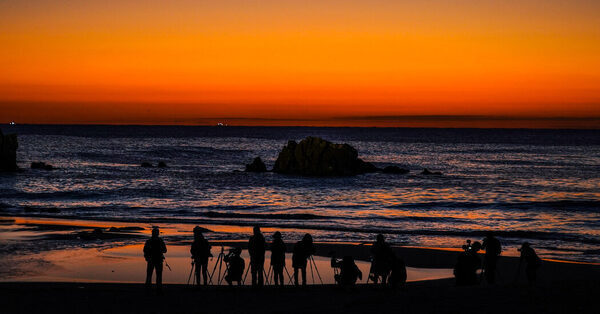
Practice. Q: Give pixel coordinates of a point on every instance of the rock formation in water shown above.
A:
(394, 170)
(430, 173)
(41, 165)
(8, 152)
(257, 165)
(314, 156)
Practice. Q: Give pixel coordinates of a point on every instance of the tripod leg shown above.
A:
(220, 264)
(316, 269)
(226, 272)
(289, 276)
(190, 276)
(312, 275)
(267, 280)
(213, 271)
(246, 275)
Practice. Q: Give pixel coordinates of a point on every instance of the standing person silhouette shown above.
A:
(303, 250)
(493, 249)
(200, 253)
(256, 249)
(278, 258)
(153, 253)
(382, 260)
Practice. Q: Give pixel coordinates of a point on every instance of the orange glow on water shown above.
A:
(324, 63)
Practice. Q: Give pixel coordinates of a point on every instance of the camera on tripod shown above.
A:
(471, 247)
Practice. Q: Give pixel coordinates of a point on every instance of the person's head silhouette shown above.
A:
(198, 233)
(277, 235)
(256, 230)
(155, 232)
(307, 239)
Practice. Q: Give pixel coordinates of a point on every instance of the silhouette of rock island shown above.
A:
(8, 152)
(257, 165)
(315, 156)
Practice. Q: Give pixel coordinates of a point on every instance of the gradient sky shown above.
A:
(329, 62)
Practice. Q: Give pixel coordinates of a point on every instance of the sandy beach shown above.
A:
(561, 288)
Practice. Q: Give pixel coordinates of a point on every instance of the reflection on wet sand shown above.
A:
(126, 264)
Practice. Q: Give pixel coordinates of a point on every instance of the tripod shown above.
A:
(219, 262)
(190, 276)
(272, 275)
(266, 278)
(312, 275)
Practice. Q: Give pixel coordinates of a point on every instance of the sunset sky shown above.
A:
(331, 62)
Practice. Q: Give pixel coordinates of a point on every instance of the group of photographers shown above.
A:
(386, 267)
(468, 262)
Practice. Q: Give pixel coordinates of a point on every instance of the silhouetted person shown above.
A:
(256, 248)
(349, 272)
(467, 265)
(235, 266)
(532, 261)
(492, 248)
(278, 258)
(200, 253)
(398, 274)
(382, 260)
(303, 250)
(153, 253)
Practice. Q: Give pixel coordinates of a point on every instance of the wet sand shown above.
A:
(561, 288)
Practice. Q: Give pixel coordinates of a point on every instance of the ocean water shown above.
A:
(540, 186)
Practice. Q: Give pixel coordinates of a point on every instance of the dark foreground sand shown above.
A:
(562, 288)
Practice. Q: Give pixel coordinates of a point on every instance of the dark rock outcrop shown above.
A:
(394, 170)
(257, 165)
(314, 156)
(41, 165)
(430, 173)
(162, 164)
(146, 165)
(8, 152)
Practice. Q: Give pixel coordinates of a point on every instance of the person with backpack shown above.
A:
(493, 249)
(256, 249)
(303, 250)
(278, 258)
(200, 253)
(154, 250)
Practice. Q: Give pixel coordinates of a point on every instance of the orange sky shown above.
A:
(330, 62)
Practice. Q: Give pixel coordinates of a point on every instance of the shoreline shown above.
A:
(101, 222)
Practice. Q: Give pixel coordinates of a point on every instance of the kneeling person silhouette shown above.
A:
(349, 272)
(235, 266)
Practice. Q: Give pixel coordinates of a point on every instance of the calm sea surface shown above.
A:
(541, 186)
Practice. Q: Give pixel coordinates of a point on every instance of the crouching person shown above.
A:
(235, 266)
(349, 272)
(398, 274)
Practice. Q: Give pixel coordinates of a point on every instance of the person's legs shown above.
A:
(296, 270)
(303, 275)
(253, 270)
(531, 274)
(204, 273)
(260, 270)
(149, 269)
(197, 272)
(159, 269)
(490, 270)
